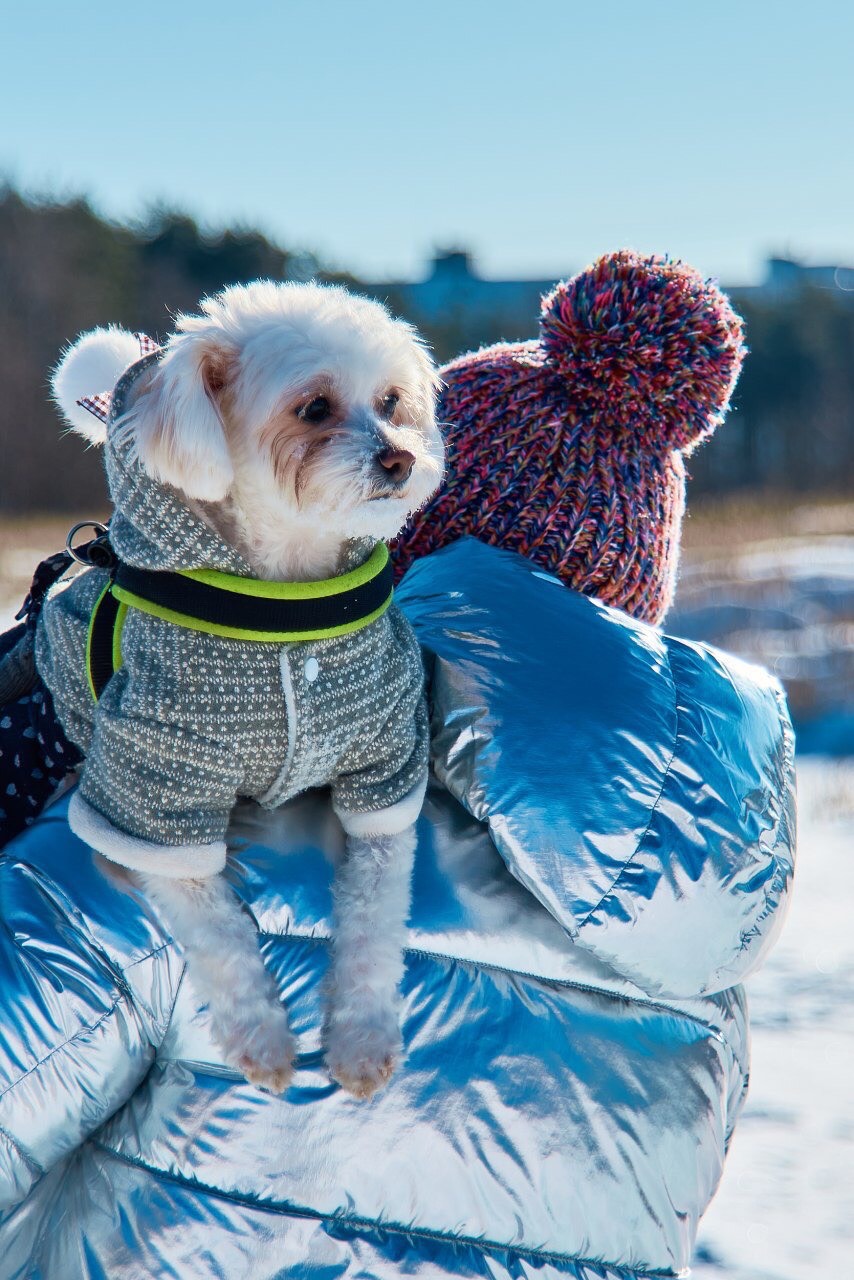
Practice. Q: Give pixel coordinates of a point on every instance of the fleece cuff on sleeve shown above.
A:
(384, 822)
(178, 862)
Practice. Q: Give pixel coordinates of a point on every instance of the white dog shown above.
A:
(291, 420)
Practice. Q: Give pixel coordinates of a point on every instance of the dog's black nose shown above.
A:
(397, 463)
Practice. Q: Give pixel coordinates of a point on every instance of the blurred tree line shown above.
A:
(790, 428)
(63, 269)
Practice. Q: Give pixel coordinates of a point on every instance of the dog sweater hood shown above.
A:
(191, 721)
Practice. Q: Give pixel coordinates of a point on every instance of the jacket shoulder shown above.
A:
(639, 785)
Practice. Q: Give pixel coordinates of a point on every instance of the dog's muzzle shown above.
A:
(395, 465)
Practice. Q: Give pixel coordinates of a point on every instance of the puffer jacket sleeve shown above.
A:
(88, 984)
(641, 787)
(703, 897)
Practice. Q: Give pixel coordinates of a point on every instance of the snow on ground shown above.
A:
(789, 605)
(23, 543)
(785, 1208)
(8, 609)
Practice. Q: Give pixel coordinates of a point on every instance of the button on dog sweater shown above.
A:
(191, 720)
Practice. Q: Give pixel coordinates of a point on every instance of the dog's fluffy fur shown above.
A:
(293, 418)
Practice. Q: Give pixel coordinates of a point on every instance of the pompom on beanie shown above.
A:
(569, 449)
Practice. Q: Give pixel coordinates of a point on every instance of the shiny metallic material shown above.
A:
(74, 552)
(607, 851)
(640, 786)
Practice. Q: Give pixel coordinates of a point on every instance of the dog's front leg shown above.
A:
(224, 965)
(372, 897)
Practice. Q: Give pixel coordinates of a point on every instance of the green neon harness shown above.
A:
(224, 604)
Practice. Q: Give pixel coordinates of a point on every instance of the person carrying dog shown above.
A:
(605, 852)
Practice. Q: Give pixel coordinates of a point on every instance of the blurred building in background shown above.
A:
(787, 447)
(453, 292)
(455, 297)
(792, 425)
(63, 269)
(785, 278)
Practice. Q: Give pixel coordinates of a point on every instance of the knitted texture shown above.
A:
(569, 449)
(191, 720)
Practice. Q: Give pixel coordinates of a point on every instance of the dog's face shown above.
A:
(301, 403)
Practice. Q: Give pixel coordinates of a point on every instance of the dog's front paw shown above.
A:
(362, 1055)
(275, 1078)
(263, 1051)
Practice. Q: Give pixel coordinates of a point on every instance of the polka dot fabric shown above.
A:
(35, 756)
(569, 449)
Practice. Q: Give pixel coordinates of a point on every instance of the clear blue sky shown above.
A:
(538, 133)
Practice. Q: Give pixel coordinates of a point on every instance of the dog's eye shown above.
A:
(317, 410)
(389, 404)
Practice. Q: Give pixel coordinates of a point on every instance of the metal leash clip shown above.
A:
(97, 553)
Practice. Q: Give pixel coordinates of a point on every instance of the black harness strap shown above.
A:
(100, 653)
(268, 612)
(179, 594)
(278, 613)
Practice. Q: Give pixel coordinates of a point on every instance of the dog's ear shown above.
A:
(176, 424)
(429, 383)
(91, 367)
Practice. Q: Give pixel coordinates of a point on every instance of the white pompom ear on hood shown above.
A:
(91, 366)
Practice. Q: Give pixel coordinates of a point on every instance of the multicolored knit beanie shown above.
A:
(569, 449)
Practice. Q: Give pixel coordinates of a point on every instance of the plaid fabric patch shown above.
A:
(98, 406)
(99, 403)
(147, 346)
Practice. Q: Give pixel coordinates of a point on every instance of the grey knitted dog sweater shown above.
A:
(190, 721)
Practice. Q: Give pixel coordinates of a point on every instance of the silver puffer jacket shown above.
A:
(604, 854)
